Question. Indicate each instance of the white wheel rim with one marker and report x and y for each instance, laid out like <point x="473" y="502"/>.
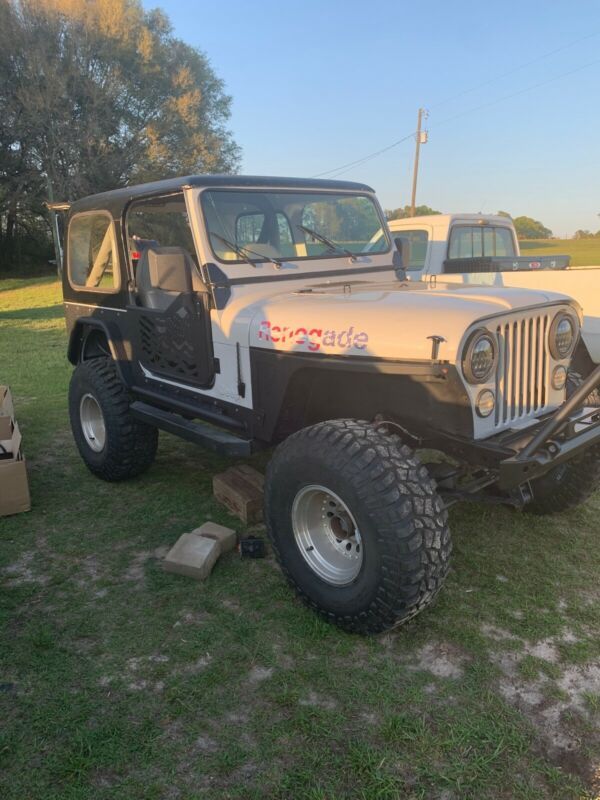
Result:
<point x="92" y="423"/>
<point x="327" y="535"/>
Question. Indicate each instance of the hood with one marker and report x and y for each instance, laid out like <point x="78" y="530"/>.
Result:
<point x="392" y="320"/>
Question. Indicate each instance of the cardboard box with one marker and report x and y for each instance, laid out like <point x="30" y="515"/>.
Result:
<point x="14" y="487"/>
<point x="7" y="413"/>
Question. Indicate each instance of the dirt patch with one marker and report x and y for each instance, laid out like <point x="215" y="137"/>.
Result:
<point x="556" y="706"/>
<point x="188" y="617"/>
<point x="318" y="701"/>
<point x="86" y="571"/>
<point x="260" y="674"/>
<point x="135" y="571"/>
<point x="22" y="571"/>
<point x="442" y="659"/>
<point x="195" y="667"/>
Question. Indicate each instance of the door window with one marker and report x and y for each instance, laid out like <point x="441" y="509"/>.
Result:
<point x="92" y="253"/>
<point x="414" y="247"/>
<point x="158" y="222"/>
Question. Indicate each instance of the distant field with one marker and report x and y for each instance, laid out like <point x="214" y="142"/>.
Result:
<point x="582" y="251"/>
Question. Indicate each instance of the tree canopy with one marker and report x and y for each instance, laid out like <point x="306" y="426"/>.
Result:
<point x="96" y="94"/>
<point x="403" y="213"/>
<point x="528" y="228"/>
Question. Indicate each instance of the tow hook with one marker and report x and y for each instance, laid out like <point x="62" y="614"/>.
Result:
<point x="524" y="494"/>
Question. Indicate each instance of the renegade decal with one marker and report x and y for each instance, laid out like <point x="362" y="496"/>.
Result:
<point x="313" y="338"/>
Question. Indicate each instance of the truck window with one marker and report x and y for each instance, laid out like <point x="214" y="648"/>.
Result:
<point x="91" y="252"/>
<point x="414" y="247"/>
<point x="476" y="241"/>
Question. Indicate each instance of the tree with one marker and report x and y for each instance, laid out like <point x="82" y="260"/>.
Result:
<point x="528" y="228"/>
<point x="403" y="213"/>
<point x="95" y="94"/>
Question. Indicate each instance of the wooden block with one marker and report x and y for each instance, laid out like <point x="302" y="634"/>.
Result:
<point x="225" y="537"/>
<point x="240" y="489"/>
<point x="192" y="556"/>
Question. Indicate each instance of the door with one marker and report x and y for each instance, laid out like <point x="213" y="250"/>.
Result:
<point x="170" y="317"/>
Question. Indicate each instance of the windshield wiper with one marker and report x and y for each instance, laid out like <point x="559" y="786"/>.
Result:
<point x="243" y="252"/>
<point x="327" y="242"/>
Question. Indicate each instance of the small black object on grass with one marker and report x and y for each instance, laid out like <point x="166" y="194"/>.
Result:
<point x="252" y="547"/>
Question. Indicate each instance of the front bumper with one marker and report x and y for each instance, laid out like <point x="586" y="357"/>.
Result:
<point x="581" y="431"/>
<point x="565" y="434"/>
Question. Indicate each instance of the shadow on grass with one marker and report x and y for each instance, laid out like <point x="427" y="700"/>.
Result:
<point x="42" y="312"/>
<point x="9" y="283"/>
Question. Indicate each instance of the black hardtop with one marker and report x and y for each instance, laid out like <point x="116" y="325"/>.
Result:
<point x="116" y="199"/>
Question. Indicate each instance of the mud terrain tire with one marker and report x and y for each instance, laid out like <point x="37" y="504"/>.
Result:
<point x="124" y="447"/>
<point x="388" y="494"/>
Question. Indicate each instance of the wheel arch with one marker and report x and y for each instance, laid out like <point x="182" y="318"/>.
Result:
<point x="315" y="393"/>
<point x="93" y="338"/>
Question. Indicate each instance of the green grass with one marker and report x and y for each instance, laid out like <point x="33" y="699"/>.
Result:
<point x="583" y="252"/>
<point x="118" y="680"/>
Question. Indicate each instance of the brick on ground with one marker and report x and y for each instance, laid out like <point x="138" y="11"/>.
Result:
<point x="240" y="490"/>
<point x="193" y="556"/>
<point x="225" y="537"/>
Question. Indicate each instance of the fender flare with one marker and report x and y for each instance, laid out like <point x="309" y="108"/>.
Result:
<point x="81" y="330"/>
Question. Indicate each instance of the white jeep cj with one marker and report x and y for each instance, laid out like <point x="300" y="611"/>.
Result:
<point x="242" y="312"/>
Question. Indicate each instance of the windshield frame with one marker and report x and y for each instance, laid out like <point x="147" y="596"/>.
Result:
<point x="319" y="257"/>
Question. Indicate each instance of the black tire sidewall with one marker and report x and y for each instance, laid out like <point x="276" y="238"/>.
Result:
<point x="130" y="445"/>
<point x="363" y="589"/>
<point x="86" y="381"/>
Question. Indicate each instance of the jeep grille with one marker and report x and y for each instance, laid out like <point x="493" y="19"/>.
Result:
<point x="522" y="379"/>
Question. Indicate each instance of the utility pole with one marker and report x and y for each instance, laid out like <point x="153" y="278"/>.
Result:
<point x="420" y="138"/>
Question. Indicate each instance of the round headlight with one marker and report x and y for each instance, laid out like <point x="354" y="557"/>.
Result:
<point x="480" y="357"/>
<point x="485" y="404"/>
<point x="563" y="334"/>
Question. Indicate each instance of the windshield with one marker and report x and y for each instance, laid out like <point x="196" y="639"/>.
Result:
<point x="267" y="225"/>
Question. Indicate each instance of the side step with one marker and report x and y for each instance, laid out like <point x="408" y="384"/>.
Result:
<point x="207" y="436"/>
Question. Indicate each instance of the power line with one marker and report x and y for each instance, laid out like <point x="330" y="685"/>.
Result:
<point x="515" y="69"/>
<point x="358" y="162"/>
<point x="517" y="93"/>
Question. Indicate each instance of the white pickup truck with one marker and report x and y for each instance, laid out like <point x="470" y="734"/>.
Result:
<point x="483" y="249"/>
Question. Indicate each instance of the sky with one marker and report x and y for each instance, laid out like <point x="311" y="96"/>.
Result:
<point x="512" y="89"/>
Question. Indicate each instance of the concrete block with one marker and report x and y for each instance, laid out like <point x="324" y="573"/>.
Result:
<point x="193" y="556"/>
<point x="226" y="537"/>
<point x="240" y="489"/>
